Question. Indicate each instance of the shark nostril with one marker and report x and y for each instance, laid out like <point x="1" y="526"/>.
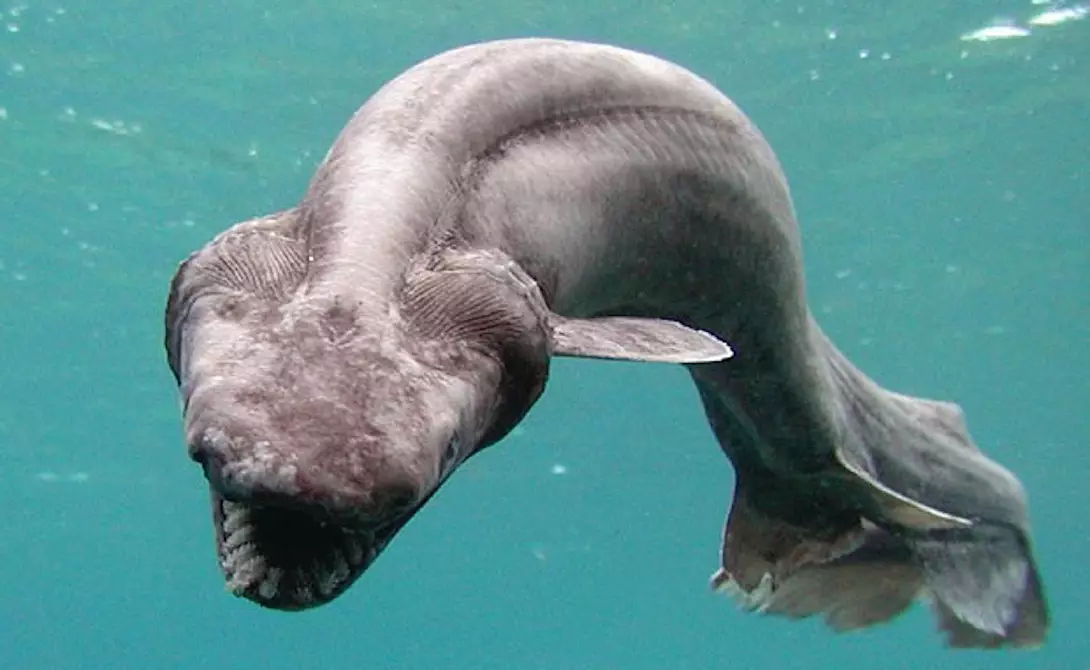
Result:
<point x="199" y="456"/>
<point x="200" y="452"/>
<point x="204" y="452"/>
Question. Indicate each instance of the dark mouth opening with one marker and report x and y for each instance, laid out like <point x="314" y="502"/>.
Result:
<point x="288" y="559"/>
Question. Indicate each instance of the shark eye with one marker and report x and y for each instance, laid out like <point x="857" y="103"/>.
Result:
<point x="451" y="454"/>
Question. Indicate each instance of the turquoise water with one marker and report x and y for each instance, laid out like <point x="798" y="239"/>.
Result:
<point x="942" y="186"/>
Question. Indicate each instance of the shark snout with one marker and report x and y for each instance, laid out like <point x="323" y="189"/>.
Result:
<point x="259" y="473"/>
<point x="244" y="471"/>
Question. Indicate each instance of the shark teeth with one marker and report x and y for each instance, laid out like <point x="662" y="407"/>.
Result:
<point x="250" y="572"/>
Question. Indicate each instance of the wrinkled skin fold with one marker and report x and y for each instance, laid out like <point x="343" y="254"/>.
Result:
<point x="505" y="203"/>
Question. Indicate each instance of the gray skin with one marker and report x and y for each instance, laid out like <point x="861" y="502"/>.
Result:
<point x="507" y="202"/>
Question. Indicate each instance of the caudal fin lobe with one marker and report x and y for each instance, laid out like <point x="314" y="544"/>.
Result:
<point x="984" y="586"/>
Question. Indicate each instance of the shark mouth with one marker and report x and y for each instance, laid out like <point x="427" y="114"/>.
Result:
<point x="289" y="559"/>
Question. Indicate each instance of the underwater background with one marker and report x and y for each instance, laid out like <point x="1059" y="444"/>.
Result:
<point x="939" y="156"/>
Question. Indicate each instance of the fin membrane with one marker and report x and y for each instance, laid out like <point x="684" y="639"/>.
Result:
<point x="982" y="582"/>
<point x="984" y="585"/>
<point x="854" y="576"/>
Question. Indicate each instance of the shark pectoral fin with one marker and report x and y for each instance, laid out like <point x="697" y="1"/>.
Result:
<point x="635" y="339"/>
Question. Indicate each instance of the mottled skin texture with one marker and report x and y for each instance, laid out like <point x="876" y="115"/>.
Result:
<point x="507" y="202"/>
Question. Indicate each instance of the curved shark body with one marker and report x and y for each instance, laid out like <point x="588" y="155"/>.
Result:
<point x="507" y="202"/>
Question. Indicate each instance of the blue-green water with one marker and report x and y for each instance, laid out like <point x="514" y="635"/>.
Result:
<point x="943" y="187"/>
